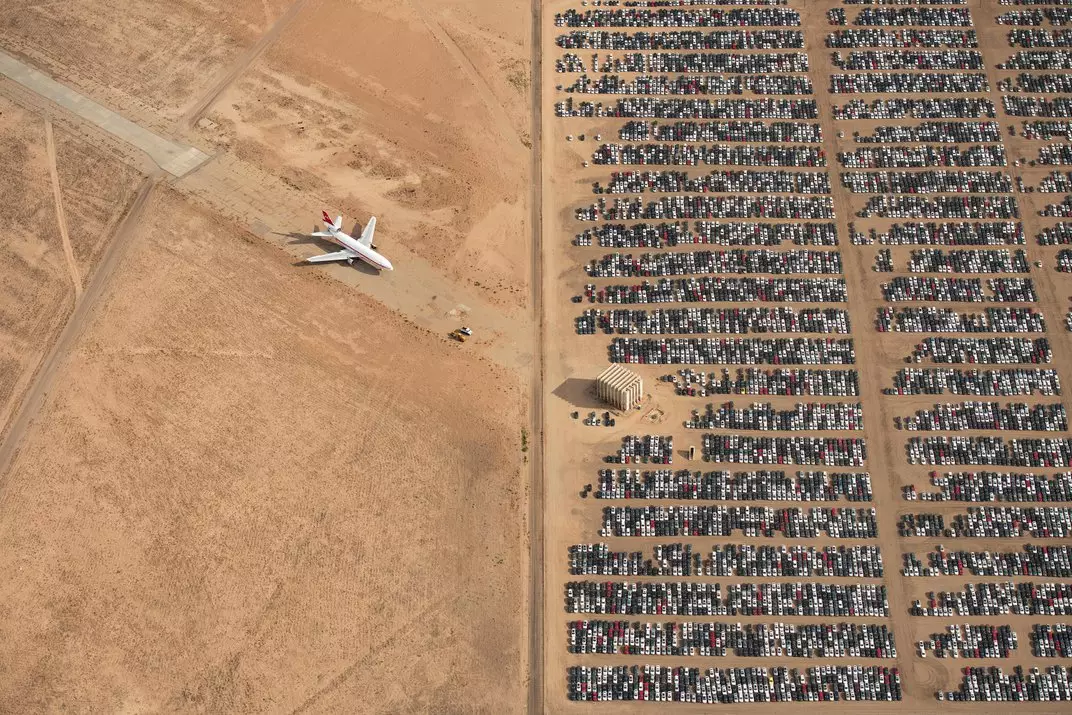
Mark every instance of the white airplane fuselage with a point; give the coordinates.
(365, 253)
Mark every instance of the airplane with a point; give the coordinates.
(359, 248)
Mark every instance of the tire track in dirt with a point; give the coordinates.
(405, 629)
(241, 64)
(42, 381)
(61, 217)
(502, 122)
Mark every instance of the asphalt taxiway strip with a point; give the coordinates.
(173, 157)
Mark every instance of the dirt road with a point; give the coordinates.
(42, 382)
(536, 479)
(241, 64)
(61, 217)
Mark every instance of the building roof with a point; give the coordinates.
(618, 377)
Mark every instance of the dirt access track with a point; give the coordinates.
(231, 482)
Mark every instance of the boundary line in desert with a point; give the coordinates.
(41, 383)
(241, 64)
(536, 490)
(61, 217)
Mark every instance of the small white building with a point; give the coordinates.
(620, 387)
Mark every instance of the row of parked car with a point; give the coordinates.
(762, 485)
(752, 63)
(751, 640)
(1033, 560)
(916, 108)
(998, 599)
(671, 17)
(678, 559)
(801, 261)
(926, 182)
(720, 233)
(798, 382)
(990, 451)
(659, 683)
(732, 351)
(755, 132)
(909, 82)
(708, 289)
(764, 416)
(708, 207)
(1006, 382)
(682, 40)
(946, 233)
(914, 59)
(787, 522)
(1051, 641)
(916, 157)
(988, 486)
(958, 416)
(957, 207)
(716, 181)
(959, 290)
(721, 108)
(689, 84)
(931, 319)
(704, 598)
(698, 321)
(1052, 684)
(971, 641)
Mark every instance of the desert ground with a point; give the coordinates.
(232, 482)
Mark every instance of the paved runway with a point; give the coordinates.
(173, 157)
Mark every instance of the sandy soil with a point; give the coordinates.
(157, 55)
(35, 295)
(245, 497)
(251, 486)
(95, 189)
(435, 141)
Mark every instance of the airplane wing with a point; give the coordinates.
(328, 257)
(366, 235)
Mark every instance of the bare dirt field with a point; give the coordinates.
(40, 281)
(156, 57)
(245, 497)
(246, 484)
(95, 188)
(435, 139)
(35, 293)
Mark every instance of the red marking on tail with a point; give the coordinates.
(327, 219)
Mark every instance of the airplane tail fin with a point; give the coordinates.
(336, 224)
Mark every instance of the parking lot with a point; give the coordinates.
(864, 418)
